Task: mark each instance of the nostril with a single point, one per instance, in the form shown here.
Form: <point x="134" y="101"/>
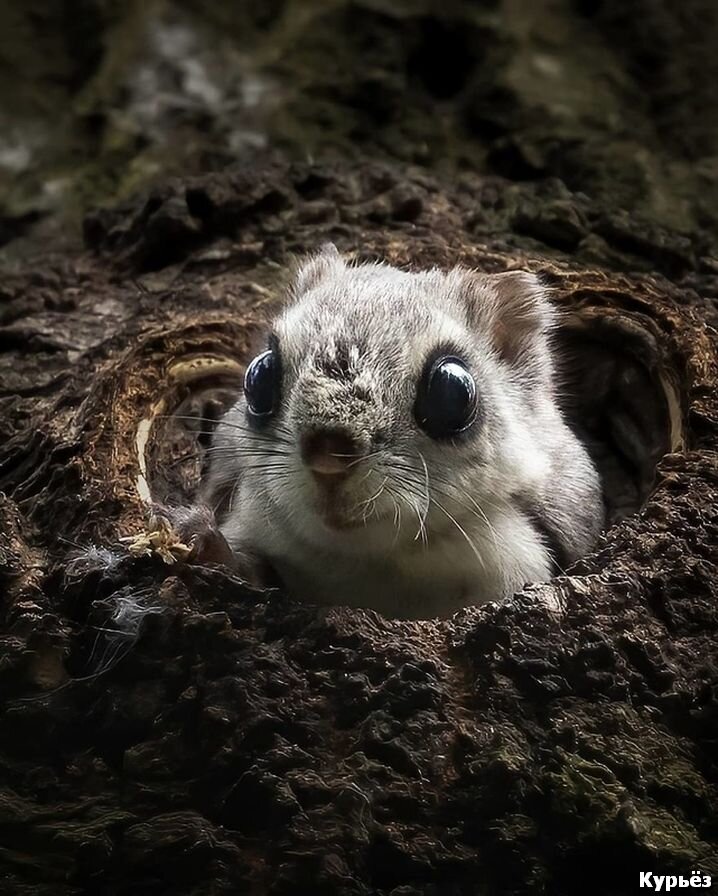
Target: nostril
<point x="329" y="452"/>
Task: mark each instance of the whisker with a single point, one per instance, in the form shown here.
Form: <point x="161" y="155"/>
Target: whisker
<point x="422" y="518"/>
<point x="415" y="505"/>
<point x="410" y="475"/>
<point x="396" y="522"/>
<point x="372" y="501"/>
<point x="476" y="510"/>
<point x="279" y="432"/>
<point x="462" y="531"/>
<point x="359" y="460"/>
<point x="222" y="452"/>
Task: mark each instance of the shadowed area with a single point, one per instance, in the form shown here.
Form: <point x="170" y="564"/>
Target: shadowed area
<point x="581" y="98"/>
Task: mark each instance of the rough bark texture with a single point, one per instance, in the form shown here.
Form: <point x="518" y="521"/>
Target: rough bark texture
<point x="163" y="726"/>
<point x="227" y="740"/>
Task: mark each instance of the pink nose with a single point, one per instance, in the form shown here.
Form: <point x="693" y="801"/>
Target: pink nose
<point x="329" y="452"/>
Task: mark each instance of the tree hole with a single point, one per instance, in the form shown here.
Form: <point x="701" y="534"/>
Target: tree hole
<point x="617" y="398"/>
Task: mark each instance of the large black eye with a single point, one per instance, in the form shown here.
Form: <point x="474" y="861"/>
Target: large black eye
<point x="262" y="383"/>
<point x="446" y="400"/>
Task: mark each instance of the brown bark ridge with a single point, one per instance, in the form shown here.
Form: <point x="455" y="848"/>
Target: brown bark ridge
<point x="167" y="728"/>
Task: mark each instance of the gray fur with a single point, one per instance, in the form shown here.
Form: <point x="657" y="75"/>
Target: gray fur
<point x="434" y="525"/>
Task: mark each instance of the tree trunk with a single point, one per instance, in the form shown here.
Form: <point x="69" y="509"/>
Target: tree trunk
<point x="167" y="728"/>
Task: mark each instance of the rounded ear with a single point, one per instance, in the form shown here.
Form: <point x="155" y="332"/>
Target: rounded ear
<point x="316" y="268"/>
<point x="513" y="309"/>
<point x="522" y="314"/>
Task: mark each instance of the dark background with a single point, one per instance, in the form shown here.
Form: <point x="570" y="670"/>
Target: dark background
<point x="610" y="99"/>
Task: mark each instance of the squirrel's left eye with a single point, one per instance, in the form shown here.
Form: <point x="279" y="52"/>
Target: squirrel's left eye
<point x="262" y="382"/>
<point x="446" y="401"/>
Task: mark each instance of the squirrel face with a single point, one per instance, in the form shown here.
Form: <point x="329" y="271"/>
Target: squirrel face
<point x="393" y="413"/>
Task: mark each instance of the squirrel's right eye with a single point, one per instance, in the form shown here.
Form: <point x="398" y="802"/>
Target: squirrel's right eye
<point x="262" y="381"/>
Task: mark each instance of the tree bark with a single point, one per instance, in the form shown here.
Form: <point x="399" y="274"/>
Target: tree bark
<point x="167" y="728"/>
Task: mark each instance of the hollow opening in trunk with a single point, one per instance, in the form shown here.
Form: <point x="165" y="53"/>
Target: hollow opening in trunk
<point x="621" y="401"/>
<point x="615" y="391"/>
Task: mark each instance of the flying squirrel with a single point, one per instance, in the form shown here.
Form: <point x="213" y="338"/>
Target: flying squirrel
<point x="399" y="445"/>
